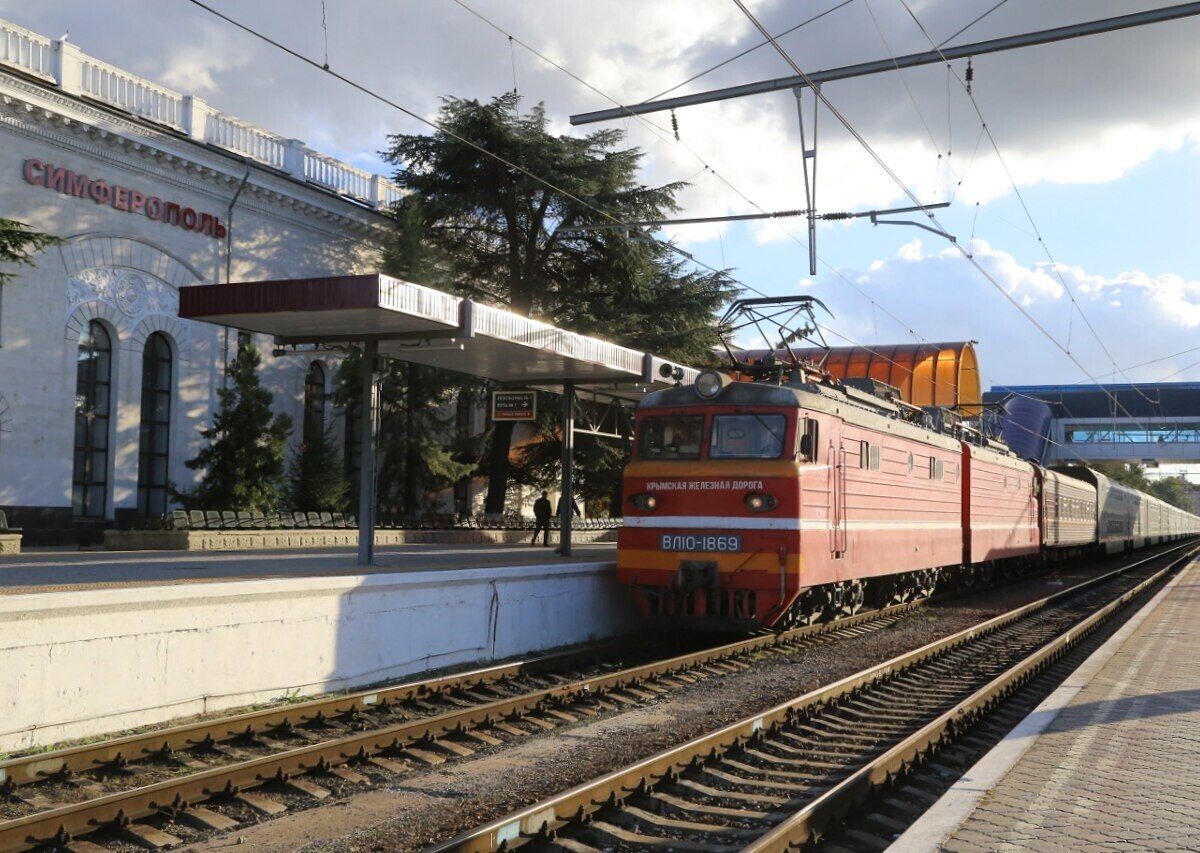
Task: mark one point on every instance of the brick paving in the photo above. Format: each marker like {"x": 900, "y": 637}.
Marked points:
{"x": 1119, "y": 767}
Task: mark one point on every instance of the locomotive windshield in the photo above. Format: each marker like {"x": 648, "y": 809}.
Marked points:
{"x": 747, "y": 437}
{"x": 676, "y": 437}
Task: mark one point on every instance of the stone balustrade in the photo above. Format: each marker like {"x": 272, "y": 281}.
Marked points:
{"x": 76, "y": 73}
{"x": 230, "y": 133}
{"x": 26, "y": 50}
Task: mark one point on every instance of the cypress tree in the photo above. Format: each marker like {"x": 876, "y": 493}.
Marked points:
{"x": 316, "y": 479}
{"x": 243, "y": 462}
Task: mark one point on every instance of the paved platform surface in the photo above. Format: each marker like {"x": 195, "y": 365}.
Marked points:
{"x": 45, "y": 570}
{"x": 1118, "y": 765}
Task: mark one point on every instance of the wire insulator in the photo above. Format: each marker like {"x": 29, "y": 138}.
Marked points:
{"x": 675, "y": 125}
{"x": 970, "y": 75}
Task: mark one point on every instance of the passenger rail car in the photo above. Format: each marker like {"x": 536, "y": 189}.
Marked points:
{"x": 752, "y": 504}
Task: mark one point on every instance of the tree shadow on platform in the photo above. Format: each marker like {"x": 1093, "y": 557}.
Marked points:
{"x": 1112, "y": 711}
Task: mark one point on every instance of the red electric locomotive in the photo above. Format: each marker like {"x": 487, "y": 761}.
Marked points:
{"x": 799, "y": 497}
{"x": 756, "y": 504}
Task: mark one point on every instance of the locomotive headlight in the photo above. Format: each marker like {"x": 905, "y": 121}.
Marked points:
{"x": 644, "y": 501}
{"x": 759, "y": 502}
{"x": 709, "y": 384}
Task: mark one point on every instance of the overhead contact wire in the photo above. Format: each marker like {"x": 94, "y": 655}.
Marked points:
{"x": 824, "y": 99}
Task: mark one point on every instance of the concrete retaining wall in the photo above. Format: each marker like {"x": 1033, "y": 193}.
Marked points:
{"x": 10, "y": 543}
{"x": 250, "y": 540}
{"x": 97, "y": 661}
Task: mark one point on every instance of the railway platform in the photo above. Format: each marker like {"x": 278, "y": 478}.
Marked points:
{"x": 47, "y": 569}
{"x": 173, "y": 634}
{"x": 1109, "y": 761}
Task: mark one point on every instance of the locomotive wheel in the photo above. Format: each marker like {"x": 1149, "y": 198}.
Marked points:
{"x": 819, "y": 604}
{"x": 837, "y": 600}
{"x": 855, "y": 595}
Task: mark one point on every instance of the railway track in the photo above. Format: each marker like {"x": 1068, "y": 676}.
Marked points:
{"x": 138, "y": 787}
{"x": 784, "y": 778}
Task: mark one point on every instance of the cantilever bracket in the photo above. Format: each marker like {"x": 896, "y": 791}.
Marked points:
{"x": 875, "y": 220}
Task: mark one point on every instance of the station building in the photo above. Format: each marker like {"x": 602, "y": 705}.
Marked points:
{"x": 103, "y": 389}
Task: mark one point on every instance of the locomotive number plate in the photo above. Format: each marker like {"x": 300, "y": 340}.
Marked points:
{"x": 704, "y": 542}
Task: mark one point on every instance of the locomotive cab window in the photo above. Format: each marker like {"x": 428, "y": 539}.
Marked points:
{"x": 676, "y": 437}
{"x": 747, "y": 437}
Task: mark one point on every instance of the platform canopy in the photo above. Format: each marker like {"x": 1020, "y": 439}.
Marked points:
{"x": 418, "y": 324}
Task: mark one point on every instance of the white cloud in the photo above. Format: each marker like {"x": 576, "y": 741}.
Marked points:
{"x": 942, "y": 297}
{"x": 1084, "y": 111}
{"x": 191, "y": 70}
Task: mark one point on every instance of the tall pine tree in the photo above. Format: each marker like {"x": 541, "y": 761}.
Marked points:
{"x": 503, "y": 237}
{"x": 243, "y": 462}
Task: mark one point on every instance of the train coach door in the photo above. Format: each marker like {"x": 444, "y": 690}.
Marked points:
{"x": 837, "y": 512}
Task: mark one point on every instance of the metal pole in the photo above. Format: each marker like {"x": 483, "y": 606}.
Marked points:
{"x": 566, "y": 501}
{"x": 368, "y": 408}
{"x": 1153, "y": 16}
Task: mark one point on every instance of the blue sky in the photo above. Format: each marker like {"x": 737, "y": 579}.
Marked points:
{"x": 1101, "y": 135}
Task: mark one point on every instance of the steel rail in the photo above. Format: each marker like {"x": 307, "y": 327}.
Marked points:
{"x": 36, "y": 767}
{"x": 514, "y": 830}
{"x": 177, "y": 795}
{"x": 833, "y": 805}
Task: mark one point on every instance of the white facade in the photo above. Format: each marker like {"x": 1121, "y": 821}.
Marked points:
{"x": 85, "y": 150}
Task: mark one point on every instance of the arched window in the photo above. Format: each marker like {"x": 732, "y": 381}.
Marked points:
{"x": 93, "y": 397}
{"x": 155, "y": 439}
{"x": 314, "y": 403}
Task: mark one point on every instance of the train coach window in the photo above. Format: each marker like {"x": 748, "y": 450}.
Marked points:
{"x": 747, "y": 437}
{"x": 935, "y": 468}
{"x": 671, "y": 437}
{"x": 869, "y": 456}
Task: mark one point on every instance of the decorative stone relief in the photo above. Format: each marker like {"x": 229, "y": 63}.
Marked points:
{"x": 134, "y": 293}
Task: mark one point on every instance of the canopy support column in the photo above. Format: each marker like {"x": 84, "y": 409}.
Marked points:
{"x": 566, "y": 501}
{"x": 369, "y": 409}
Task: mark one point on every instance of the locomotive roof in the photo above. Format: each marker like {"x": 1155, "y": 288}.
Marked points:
{"x": 852, "y": 406}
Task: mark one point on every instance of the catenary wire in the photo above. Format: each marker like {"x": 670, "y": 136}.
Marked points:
{"x": 442, "y": 129}
{"x": 973, "y": 23}
{"x": 875, "y": 305}
{"x": 1020, "y": 197}
{"x": 853, "y": 131}
{"x": 364, "y": 89}
{"x": 983, "y": 130}
{"x": 747, "y": 51}
{"x": 707, "y": 167}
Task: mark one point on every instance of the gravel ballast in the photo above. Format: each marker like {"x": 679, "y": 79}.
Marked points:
{"x": 431, "y": 805}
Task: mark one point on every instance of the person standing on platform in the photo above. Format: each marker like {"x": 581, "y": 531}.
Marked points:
{"x": 541, "y": 516}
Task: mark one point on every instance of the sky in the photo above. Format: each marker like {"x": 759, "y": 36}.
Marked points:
{"x": 1080, "y": 222}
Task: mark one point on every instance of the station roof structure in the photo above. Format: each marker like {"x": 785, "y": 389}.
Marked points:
{"x": 418, "y": 324}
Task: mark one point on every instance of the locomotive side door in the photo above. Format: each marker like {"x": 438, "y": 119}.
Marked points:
{"x": 837, "y": 488}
